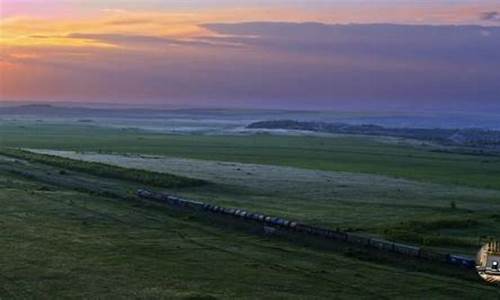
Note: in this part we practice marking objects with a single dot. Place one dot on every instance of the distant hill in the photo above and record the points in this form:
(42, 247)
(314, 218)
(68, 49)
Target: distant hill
(47, 110)
(243, 117)
(463, 137)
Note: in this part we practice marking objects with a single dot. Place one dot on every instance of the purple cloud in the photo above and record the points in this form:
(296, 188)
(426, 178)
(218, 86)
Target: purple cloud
(291, 65)
(493, 16)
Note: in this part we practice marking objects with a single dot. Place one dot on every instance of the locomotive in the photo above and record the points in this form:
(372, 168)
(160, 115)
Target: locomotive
(281, 223)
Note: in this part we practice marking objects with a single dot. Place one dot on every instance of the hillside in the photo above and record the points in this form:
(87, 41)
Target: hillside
(470, 137)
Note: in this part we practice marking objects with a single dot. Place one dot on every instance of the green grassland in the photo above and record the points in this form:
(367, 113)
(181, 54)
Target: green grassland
(399, 210)
(58, 242)
(69, 230)
(394, 211)
(352, 154)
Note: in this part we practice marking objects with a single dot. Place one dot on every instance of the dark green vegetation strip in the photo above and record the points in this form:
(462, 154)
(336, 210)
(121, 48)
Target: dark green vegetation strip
(352, 154)
(98, 169)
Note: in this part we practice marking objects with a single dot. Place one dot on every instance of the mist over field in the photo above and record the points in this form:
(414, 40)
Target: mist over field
(216, 119)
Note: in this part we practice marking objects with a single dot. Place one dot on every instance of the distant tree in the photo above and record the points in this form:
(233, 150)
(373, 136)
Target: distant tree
(453, 204)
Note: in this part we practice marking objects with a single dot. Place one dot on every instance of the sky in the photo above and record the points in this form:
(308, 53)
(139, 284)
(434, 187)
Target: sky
(315, 54)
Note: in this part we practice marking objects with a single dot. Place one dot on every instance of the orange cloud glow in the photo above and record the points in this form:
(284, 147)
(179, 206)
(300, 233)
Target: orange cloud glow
(73, 48)
(53, 30)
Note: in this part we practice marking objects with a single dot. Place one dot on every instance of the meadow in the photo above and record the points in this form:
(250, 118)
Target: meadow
(396, 209)
(350, 154)
(60, 242)
(72, 227)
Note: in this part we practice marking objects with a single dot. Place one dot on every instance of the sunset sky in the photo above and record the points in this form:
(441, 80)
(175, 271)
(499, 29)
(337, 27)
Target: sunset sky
(315, 54)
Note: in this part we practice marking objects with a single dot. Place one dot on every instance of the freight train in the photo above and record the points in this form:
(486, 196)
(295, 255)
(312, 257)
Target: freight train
(284, 224)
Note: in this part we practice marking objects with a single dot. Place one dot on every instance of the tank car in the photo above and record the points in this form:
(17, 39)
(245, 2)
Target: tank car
(382, 244)
(407, 249)
(357, 239)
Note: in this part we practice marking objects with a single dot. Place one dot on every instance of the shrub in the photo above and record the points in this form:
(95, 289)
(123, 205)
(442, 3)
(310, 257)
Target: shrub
(453, 204)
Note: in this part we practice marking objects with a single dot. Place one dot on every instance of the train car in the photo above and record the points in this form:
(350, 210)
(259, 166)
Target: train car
(339, 235)
(463, 261)
(335, 235)
(144, 193)
(300, 227)
(156, 196)
(253, 216)
(171, 199)
(193, 204)
(357, 239)
(407, 249)
(176, 200)
(197, 205)
(279, 222)
(433, 255)
(317, 231)
(324, 233)
(309, 229)
(304, 228)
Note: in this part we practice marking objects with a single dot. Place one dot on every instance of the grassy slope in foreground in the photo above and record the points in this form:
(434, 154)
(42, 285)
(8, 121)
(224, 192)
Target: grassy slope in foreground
(398, 209)
(104, 170)
(352, 154)
(58, 243)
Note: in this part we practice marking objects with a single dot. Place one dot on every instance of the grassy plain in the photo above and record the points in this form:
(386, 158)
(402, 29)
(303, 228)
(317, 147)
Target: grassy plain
(58, 243)
(397, 209)
(351, 154)
(60, 239)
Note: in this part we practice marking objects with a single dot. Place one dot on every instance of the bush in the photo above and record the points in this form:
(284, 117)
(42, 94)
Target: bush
(453, 204)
